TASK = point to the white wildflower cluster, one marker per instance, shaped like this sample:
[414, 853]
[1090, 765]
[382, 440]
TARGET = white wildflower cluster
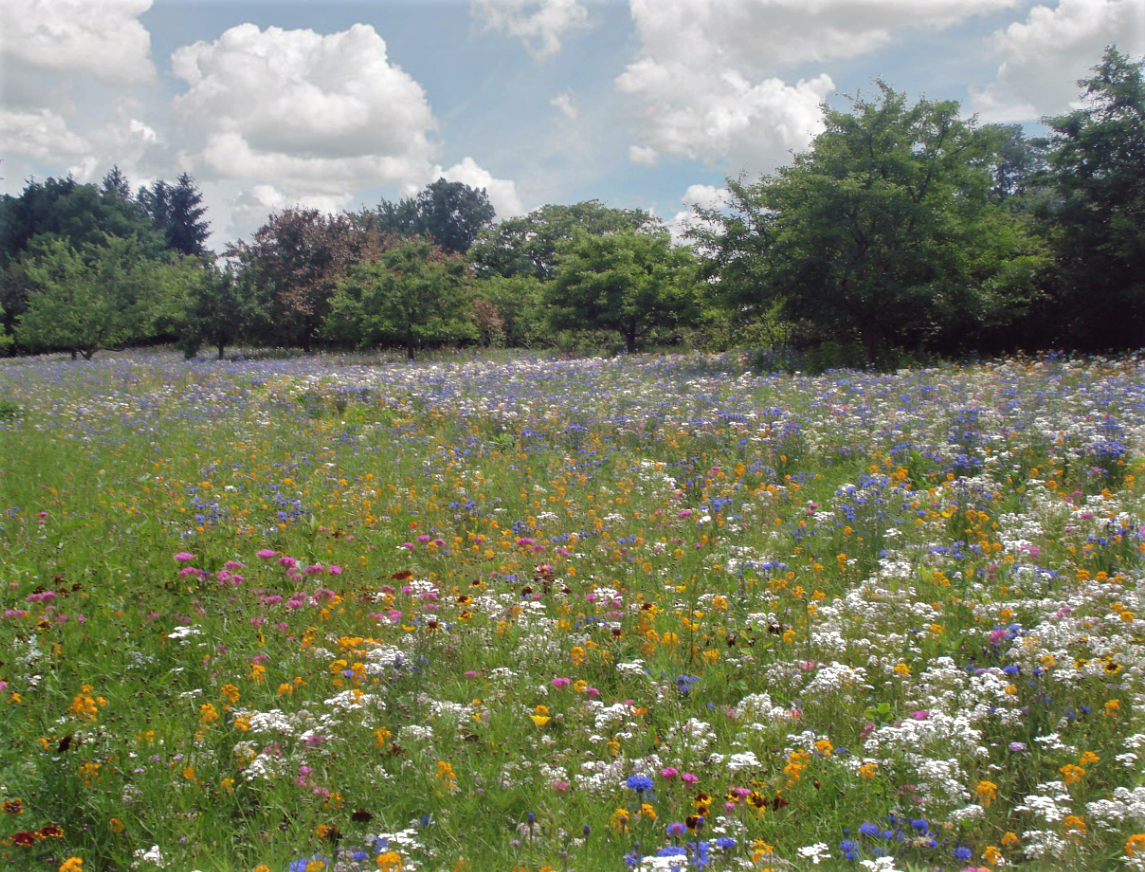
[1126, 805]
[760, 712]
[1050, 804]
[816, 853]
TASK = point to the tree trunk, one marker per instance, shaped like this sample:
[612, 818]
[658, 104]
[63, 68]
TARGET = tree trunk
[409, 350]
[221, 347]
[630, 337]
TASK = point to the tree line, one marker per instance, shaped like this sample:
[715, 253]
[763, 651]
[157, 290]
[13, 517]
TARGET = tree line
[904, 231]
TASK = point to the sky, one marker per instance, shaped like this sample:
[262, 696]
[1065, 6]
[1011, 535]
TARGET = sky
[649, 104]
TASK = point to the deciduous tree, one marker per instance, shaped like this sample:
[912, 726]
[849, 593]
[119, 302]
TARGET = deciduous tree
[413, 295]
[629, 282]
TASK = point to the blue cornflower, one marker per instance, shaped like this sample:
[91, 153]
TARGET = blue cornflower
[871, 830]
[639, 783]
[850, 849]
[677, 828]
[921, 825]
[725, 842]
[962, 853]
[301, 864]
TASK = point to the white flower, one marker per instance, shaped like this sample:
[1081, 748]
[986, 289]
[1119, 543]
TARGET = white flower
[816, 853]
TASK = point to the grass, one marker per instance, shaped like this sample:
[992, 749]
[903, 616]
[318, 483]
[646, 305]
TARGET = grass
[536, 614]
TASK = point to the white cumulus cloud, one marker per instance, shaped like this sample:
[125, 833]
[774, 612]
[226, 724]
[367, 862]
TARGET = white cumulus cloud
[539, 24]
[42, 135]
[708, 80]
[1043, 56]
[705, 196]
[100, 38]
[313, 114]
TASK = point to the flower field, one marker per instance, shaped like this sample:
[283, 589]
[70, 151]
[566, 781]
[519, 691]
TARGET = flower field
[535, 615]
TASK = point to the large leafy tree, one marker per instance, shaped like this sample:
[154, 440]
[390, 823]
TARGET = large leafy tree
[412, 296]
[80, 215]
[452, 214]
[105, 296]
[528, 245]
[630, 282]
[1096, 221]
[295, 261]
[884, 233]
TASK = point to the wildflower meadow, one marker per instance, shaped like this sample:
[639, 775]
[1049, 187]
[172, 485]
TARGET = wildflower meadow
[534, 615]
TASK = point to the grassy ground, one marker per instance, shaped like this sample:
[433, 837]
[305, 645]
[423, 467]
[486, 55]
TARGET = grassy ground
[654, 611]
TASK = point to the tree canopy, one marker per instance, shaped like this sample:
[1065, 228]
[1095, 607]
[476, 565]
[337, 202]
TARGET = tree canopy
[883, 233]
[411, 296]
[1096, 221]
[528, 245]
[629, 281]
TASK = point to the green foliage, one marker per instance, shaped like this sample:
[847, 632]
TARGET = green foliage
[215, 310]
[630, 282]
[105, 297]
[81, 215]
[529, 245]
[176, 211]
[452, 214]
[1095, 222]
[413, 295]
[518, 305]
[883, 233]
[5, 339]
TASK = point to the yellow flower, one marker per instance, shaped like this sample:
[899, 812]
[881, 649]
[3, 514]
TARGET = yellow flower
[1072, 774]
[1135, 845]
[869, 769]
[315, 866]
[646, 811]
[619, 820]
[1088, 759]
[1073, 825]
[230, 692]
[72, 864]
[991, 856]
[390, 861]
[902, 669]
[1010, 839]
[1112, 706]
[540, 720]
[824, 747]
[987, 792]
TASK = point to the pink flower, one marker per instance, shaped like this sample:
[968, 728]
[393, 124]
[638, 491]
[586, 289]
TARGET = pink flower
[561, 682]
[266, 554]
[394, 615]
[523, 541]
[334, 570]
[234, 564]
[288, 562]
[669, 773]
[689, 778]
[184, 557]
[593, 692]
[920, 715]
[560, 786]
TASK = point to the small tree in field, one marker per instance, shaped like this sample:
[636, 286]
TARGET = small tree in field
[215, 310]
[412, 295]
[82, 304]
[629, 282]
